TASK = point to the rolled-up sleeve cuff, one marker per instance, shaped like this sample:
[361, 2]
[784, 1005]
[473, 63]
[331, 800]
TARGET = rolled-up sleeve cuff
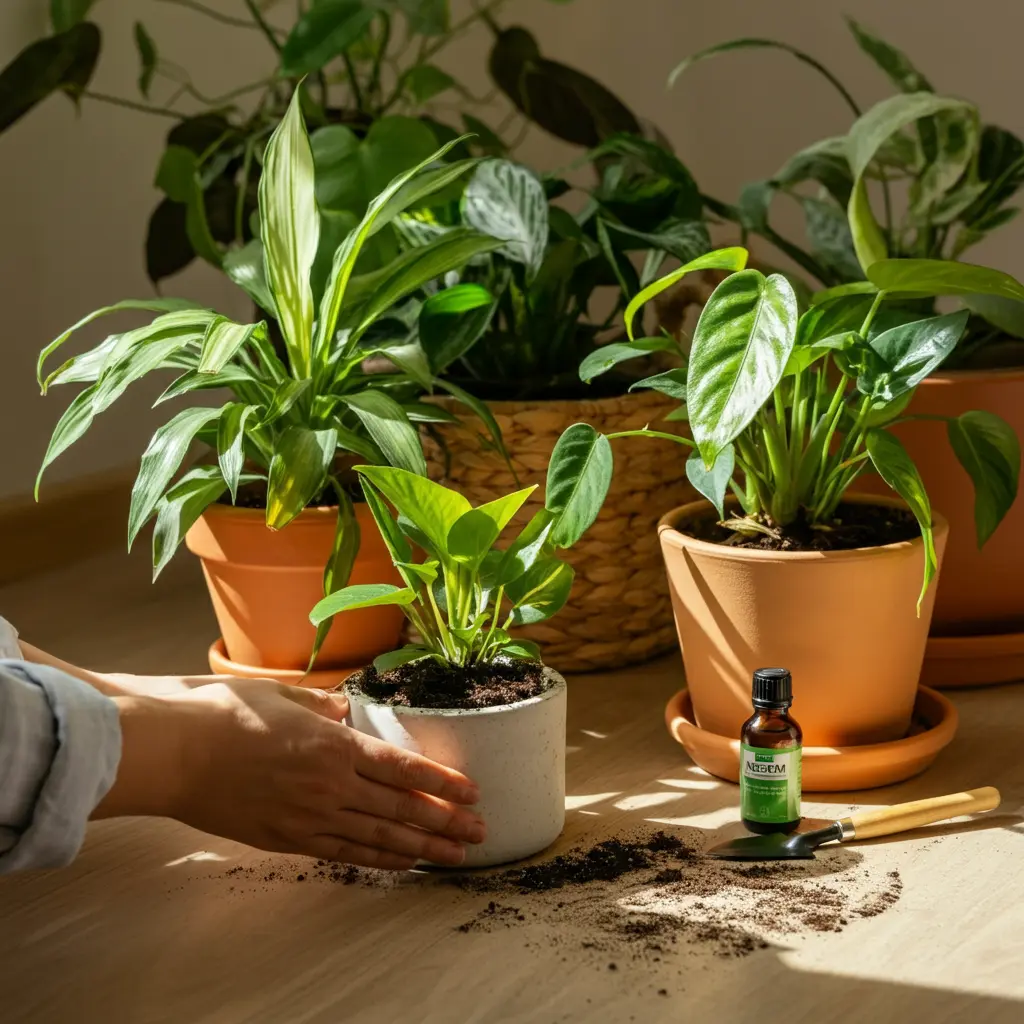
[60, 759]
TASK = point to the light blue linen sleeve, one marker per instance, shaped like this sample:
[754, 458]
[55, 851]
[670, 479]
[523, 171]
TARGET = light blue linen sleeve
[60, 745]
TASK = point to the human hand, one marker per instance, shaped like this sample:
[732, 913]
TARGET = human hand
[272, 766]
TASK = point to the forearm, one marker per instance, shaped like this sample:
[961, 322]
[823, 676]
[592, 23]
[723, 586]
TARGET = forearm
[98, 681]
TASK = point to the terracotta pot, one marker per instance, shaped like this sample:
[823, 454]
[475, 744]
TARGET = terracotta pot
[264, 584]
[843, 622]
[515, 753]
[982, 592]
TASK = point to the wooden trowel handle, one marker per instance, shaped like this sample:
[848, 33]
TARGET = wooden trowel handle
[901, 817]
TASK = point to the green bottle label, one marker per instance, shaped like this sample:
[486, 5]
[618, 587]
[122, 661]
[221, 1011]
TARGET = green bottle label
[770, 784]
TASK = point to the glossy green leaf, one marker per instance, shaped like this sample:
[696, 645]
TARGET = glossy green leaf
[160, 461]
[579, 474]
[178, 510]
[507, 201]
[147, 57]
[828, 231]
[524, 649]
[386, 422]
[223, 340]
[989, 450]
[540, 592]
[246, 268]
[231, 443]
[943, 277]
[289, 230]
[83, 368]
[322, 33]
[339, 565]
[529, 545]
[741, 345]
[1006, 314]
[842, 291]
[721, 259]
[604, 358]
[302, 458]
[669, 382]
[423, 265]
[432, 508]
[193, 380]
[63, 62]
[397, 545]
[66, 13]
[823, 162]
[908, 353]
[714, 482]
[154, 305]
[868, 135]
[394, 659]
[684, 239]
[175, 174]
[378, 213]
[896, 468]
[842, 314]
[475, 532]
[284, 398]
[954, 135]
[362, 595]
[452, 320]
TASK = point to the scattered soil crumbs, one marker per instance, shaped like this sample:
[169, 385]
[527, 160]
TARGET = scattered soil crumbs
[428, 684]
[643, 900]
[854, 526]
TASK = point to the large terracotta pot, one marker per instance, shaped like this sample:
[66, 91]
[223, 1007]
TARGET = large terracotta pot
[845, 623]
[978, 626]
[264, 584]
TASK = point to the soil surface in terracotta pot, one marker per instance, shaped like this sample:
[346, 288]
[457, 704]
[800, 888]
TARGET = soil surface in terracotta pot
[837, 607]
[503, 725]
[264, 583]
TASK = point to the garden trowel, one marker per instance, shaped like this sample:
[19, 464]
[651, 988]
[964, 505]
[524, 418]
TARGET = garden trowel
[863, 825]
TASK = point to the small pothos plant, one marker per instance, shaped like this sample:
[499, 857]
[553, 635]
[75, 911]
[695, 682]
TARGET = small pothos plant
[467, 594]
[292, 425]
[919, 175]
[787, 410]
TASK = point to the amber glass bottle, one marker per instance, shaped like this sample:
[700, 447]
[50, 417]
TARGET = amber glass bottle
[770, 746]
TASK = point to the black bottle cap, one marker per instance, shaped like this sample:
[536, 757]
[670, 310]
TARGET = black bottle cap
[773, 688]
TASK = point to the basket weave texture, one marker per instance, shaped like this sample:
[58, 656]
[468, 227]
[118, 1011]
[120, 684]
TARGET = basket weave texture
[619, 612]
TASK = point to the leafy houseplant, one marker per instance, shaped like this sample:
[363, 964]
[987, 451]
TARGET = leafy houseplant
[542, 304]
[918, 178]
[375, 90]
[958, 177]
[786, 412]
[292, 424]
[467, 693]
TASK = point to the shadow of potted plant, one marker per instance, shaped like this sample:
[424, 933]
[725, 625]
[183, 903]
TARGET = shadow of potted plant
[271, 512]
[916, 182]
[468, 694]
[787, 412]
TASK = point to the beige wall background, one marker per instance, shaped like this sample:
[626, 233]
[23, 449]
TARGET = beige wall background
[76, 190]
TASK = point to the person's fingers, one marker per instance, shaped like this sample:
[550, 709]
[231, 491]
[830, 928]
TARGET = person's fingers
[382, 762]
[324, 702]
[383, 834]
[335, 848]
[419, 809]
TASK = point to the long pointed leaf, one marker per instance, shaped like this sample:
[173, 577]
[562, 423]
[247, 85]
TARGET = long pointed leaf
[339, 565]
[223, 339]
[183, 504]
[362, 595]
[386, 422]
[231, 443]
[579, 474]
[290, 230]
[302, 458]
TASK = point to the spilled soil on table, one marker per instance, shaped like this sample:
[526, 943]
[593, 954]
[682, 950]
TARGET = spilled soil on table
[642, 899]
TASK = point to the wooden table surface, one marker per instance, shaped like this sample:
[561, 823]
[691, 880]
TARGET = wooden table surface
[149, 927]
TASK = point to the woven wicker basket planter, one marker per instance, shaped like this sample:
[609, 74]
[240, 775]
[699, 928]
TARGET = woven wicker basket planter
[619, 612]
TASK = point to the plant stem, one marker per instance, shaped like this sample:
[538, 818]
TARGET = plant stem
[357, 93]
[442, 629]
[242, 189]
[144, 108]
[866, 326]
[382, 46]
[263, 26]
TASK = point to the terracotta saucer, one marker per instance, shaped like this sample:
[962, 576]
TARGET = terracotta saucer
[829, 769]
[953, 661]
[320, 679]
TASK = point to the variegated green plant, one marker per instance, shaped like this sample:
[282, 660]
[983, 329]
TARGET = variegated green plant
[292, 418]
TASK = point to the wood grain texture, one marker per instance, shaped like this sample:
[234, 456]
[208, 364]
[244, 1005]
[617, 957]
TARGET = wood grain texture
[145, 928]
[886, 821]
[72, 521]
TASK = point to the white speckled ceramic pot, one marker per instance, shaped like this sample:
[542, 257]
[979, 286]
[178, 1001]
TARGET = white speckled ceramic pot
[515, 753]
